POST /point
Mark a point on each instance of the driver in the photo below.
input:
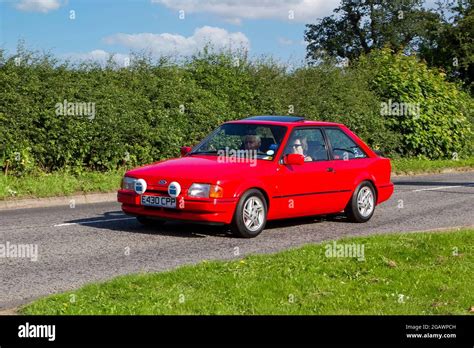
(252, 142)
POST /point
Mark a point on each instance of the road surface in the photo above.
(95, 242)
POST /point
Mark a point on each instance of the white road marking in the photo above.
(436, 188)
(91, 222)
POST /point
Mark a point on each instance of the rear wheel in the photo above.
(250, 215)
(361, 207)
(149, 222)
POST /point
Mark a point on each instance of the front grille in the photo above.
(158, 191)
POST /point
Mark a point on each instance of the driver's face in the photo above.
(251, 142)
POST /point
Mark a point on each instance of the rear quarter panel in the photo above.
(381, 171)
(373, 168)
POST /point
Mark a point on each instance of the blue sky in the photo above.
(100, 27)
(119, 26)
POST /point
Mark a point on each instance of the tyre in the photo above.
(250, 215)
(361, 207)
(149, 222)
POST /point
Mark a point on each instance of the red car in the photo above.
(258, 169)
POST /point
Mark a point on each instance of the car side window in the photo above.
(343, 147)
(309, 143)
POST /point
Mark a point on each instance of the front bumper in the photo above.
(188, 209)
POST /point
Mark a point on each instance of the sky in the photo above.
(92, 29)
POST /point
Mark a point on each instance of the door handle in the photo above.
(330, 169)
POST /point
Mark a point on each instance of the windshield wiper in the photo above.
(203, 152)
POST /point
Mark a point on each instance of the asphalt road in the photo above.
(88, 243)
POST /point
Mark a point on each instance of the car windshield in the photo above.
(241, 139)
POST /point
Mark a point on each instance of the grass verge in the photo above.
(410, 273)
(58, 184)
(418, 166)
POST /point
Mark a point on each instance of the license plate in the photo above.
(159, 201)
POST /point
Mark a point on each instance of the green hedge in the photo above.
(441, 127)
(146, 111)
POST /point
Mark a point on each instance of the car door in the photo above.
(305, 189)
(347, 161)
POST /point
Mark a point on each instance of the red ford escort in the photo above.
(261, 168)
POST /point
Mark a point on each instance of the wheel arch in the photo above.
(255, 187)
(375, 189)
(369, 178)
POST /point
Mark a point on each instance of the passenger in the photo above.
(300, 147)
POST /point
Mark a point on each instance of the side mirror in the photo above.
(293, 159)
(185, 150)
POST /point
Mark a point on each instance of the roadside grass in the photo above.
(64, 184)
(417, 166)
(409, 273)
(58, 184)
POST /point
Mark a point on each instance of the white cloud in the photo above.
(234, 21)
(100, 56)
(305, 11)
(43, 6)
(174, 44)
(285, 41)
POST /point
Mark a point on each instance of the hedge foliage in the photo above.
(146, 111)
(442, 124)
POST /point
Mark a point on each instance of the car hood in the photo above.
(191, 169)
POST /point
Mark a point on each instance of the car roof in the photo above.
(284, 120)
(275, 118)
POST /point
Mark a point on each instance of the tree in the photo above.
(359, 26)
(451, 45)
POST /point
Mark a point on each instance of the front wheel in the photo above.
(250, 215)
(361, 207)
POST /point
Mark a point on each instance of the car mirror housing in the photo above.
(293, 159)
(185, 150)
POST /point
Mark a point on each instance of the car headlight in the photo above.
(199, 190)
(128, 183)
(205, 191)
